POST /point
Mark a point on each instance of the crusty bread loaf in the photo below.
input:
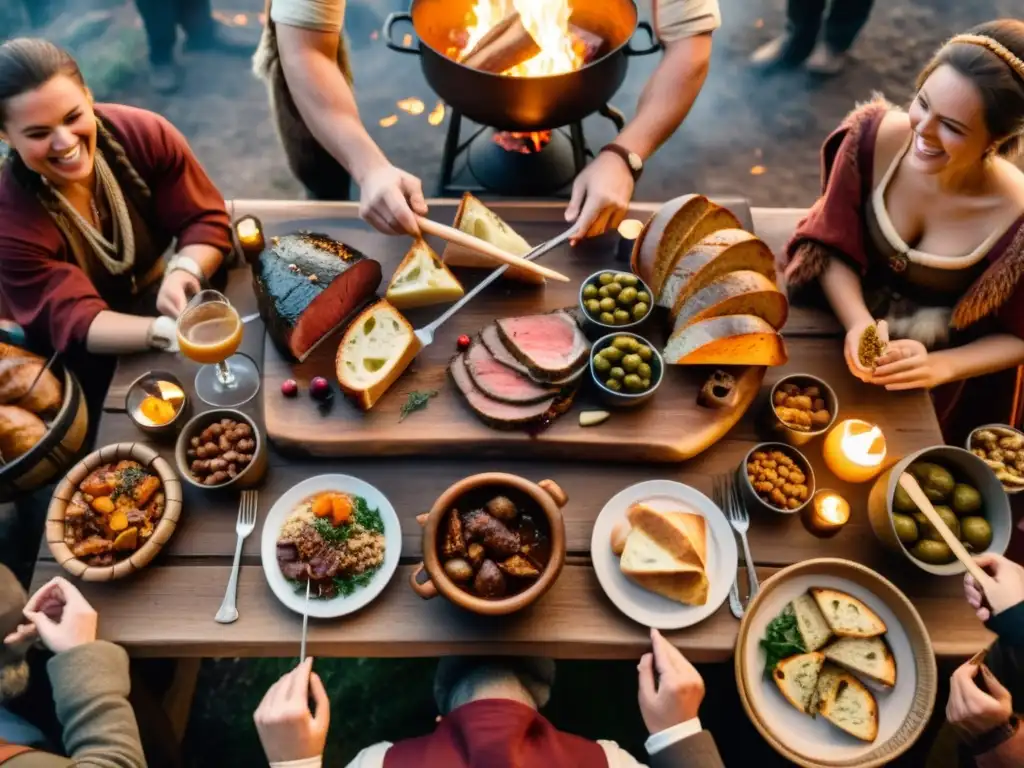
(20, 430)
(715, 219)
(797, 678)
(682, 534)
(848, 704)
(663, 232)
(654, 568)
(376, 348)
(730, 340)
(18, 369)
(814, 630)
(715, 256)
(738, 293)
(846, 615)
(868, 656)
(475, 218)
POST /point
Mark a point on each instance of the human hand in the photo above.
(59, 615)
(1007, 589)
(600, 196)
(390, 199)
(851, 347)
(177, 288)
(907, 364)
(288, 730)
(679, 691)
(972, 711)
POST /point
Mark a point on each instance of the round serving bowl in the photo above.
(752, 497)
(964, 465)
(149, 459)
(249, 476)
(623, 399)
(546, 495)
(788, 434)
(970, 446)
(592, 325)
(165, 386)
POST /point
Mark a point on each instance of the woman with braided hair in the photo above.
(91, 196)
(921, 223)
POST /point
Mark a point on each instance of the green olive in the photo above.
(603, 292)
(631, 363)
(627, 296)
(643, 370)
(643, 296)
(590, 291)
(614, 289)
(607, 318)
(645, 353)
(976, 533)
(625, 343)
(605, 277)
(593, 306)
(640, 310)
(647, 383)
(621, 316)
(612, 353)
(933, 552)
(627, 279)
(617, 373)
(633, 383)
(906, 527)
(608, 304)
(602, 364)
(613, 384)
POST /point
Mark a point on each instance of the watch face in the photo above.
(635, 162)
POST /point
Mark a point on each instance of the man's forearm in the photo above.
(669, 94)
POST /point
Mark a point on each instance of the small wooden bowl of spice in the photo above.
(157, 403)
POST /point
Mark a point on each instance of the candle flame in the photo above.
(832, 510)
(861, 448)
(247, 229)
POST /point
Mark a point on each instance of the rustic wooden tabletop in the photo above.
(168, 608)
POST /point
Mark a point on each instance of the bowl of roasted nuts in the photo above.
(1002, 448)
(777, 477)
(802, 407)
(221, 448)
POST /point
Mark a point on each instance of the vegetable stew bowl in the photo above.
(171, 487)
(250, 475)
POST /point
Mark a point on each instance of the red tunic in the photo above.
(42, 287)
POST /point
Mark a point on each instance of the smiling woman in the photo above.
(921, 222)
(91, 197)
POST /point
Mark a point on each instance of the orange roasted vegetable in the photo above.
(145, 488)
(322, 505)
(99, 483)
(341, 509)
(118, 521)
(103, 505)
(127, 539)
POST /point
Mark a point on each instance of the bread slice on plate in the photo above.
(797, 678)
(846, 615)
(869, 657)
(682, 534)
(847, 703)
(814, 630)
(654, 568)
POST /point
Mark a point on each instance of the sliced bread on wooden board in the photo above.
(814, 630)
(714, 220)
(867, 656)
(663, 231)
(715, 256)
(475, 218)
(848, 704)
(730, 340)
(682, 534)
(376, 348)
(744, 292)
(422, 279)
(797, 678)
(654, 568)
(846, 615)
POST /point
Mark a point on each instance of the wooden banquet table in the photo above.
(167, 609)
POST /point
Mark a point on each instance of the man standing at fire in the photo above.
(304, 61)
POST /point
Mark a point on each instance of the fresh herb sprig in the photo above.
(346, 585)
(327, 531)
(781, 639)
(417, 401)
(129, 478)
(366, 518)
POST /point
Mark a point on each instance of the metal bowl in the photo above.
(166, 386)
(963, 465)
(788, 434)
(1010, 489)
(249, 476)
(752, 497)
(626, 399)
(593, 327)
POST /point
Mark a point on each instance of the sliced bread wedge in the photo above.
(814, 630)
(715, 220)
(475, 218)
(867, 656)
(654, 568)
(797, 678)
(422, 279)
(848, 704)
(682, 534)
(376, 349)
(718, 254)
(729, 340)
(663, 232)
(846, 615)
(743, 292)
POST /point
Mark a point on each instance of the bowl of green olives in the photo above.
(965, 493)
(626, 369)
(614, 301)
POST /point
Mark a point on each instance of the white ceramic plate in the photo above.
(336, 606)
(641, 605)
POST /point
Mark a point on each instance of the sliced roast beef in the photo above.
(492, 340)
(307, 285)
(494, 412)
(551, 346)
(500, 382)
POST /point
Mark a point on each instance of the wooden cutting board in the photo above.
(671, 427)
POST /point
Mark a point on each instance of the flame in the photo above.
(834, 509)
(866, 448)
(436, 116)
(411, 105)
(524, 143)
(387, 122)
(546, 21)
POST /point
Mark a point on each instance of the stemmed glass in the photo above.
(209, 332)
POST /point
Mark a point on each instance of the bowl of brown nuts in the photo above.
(1002, 448)
(221, 448)
(777, 477)
(801, 408)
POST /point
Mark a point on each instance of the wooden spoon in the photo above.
(910, 485)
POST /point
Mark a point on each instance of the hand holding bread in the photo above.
(676, 694)
(1007, 589)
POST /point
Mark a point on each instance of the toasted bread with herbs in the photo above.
(867, 656)
(848, 704)
(846, 615)
(797, 678)
(813, 628)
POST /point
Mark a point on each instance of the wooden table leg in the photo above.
(178, 699)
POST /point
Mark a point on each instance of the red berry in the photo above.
(289, 388)
(319, 388)
(464, 342)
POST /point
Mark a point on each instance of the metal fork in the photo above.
(739, 518)
(718, 494)
(245, 525)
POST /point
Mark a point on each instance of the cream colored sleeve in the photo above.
(319, 15)
(679, 19)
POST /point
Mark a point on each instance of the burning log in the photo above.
(590, 43)
(505, 45)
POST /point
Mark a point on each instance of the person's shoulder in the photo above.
(1011, 183)
(133, 122)
(893, 131)
(316, 15)
(23, 220)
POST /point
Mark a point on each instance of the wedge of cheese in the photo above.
(663, 232)
(376, 348)
(730, 340)
(738, 293)
(422, 279)
(715, 219)
(718, 254)
(475, 218)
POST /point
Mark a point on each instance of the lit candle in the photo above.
(854, 451)
(827, 513)
(629, 231)
(250, 234)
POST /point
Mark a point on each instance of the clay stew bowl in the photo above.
(548, 497)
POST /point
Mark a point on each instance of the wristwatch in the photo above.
(188, 264)
(998, 735)
(163, 334)
(633, 161)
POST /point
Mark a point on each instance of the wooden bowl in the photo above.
(904, 710)
(249, 476)
(148, 458)
(548, 497)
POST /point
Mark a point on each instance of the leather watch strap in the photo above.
(633, 161)
(998, 735)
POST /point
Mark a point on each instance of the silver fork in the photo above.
(739, 518)
(245, 525)
(718, 495)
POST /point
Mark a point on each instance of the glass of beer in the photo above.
(209, 332)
